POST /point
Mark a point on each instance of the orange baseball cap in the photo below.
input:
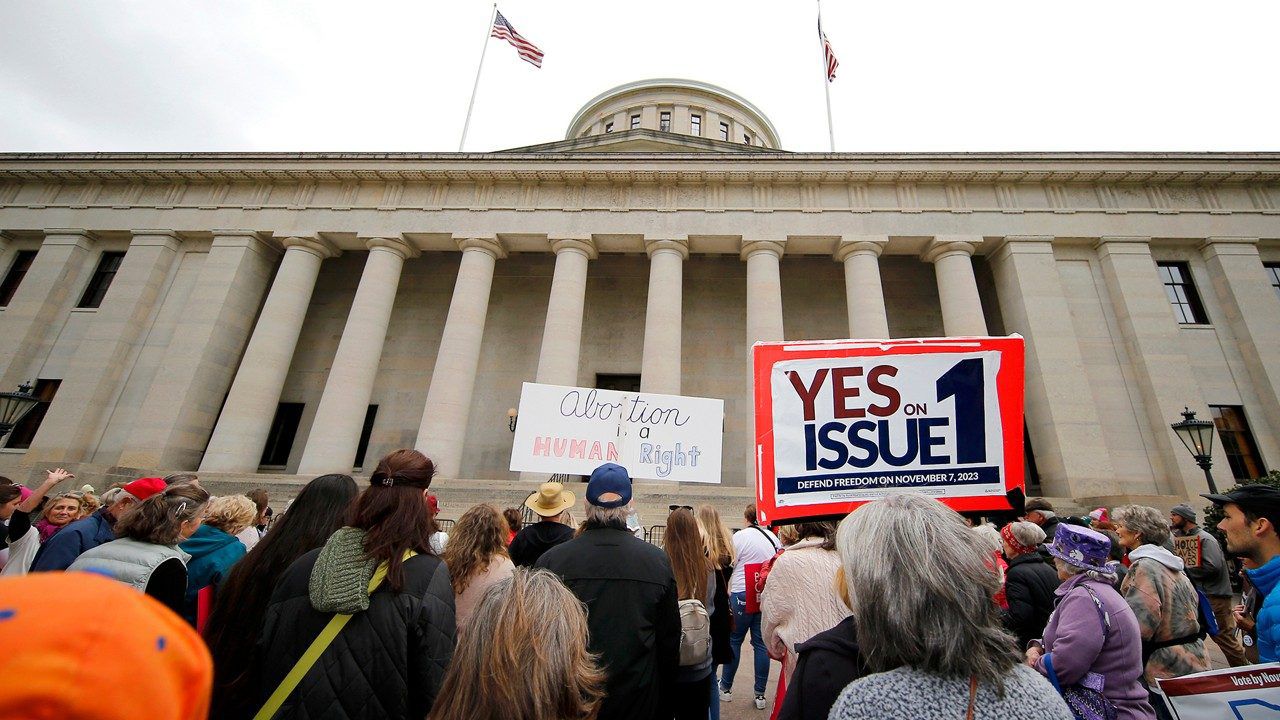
(78, 645)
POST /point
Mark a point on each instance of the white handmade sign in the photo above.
(574, 430)
(1245, 693)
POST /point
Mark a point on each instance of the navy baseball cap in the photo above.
(609, 480)
(1249, 497)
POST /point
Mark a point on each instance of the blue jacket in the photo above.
(212, 552)
(1265, 580)
(71, 541)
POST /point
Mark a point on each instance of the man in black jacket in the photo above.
(550, 503)
(630, 594)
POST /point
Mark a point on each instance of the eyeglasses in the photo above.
(674, 508)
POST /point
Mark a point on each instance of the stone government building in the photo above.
(263, 316)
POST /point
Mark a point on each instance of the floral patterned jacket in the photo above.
(1167, 607)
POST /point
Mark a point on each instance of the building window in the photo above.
(746, 138)
(1182, 293)
(101, 280)
(635, 121)
(1031, 472)
(695, 125)
(369, 416)
(24, 432)
(1273, 274)
(622, 383)
(13, 278)
(284, 429)
(1237, 442)
(608, 127)
(664, 121)
(724, 131)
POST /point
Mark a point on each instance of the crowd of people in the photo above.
(353, 604)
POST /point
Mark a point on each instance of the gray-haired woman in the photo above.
(921, 584)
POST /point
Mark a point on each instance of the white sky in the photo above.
(279, 75)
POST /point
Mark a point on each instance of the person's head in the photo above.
(1117, 550)
(89, 503)
(608, 492)
(1182, 517)
(749, 514)
(824, 530)
(10, 498)
(920, 584)
(140, 661)
(261, 502)
(394, 511)
(514, 521)
(716, 535)
(1250, 522)
(241, 602)
(550, 502)
(688, 555)
(1020, 538)
(1079, 550)
(167, 517)
(1140, 525)
(181, 479)
(478, 537)
(1038, 511)
(788, 535)
(231, 514)
(132, 494)
(523, 656)
(990, 535)
(62, 510)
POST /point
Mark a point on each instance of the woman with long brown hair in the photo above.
(389, 660)
(719, 543)
(477, 558)
(496, 674)
(695, 581)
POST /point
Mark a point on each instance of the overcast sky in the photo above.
(279, 75)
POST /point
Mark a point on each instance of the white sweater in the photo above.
(800, 599)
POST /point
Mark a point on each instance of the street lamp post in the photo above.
(1197, 436)
(14, 406)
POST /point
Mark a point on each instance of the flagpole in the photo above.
(488, 29)
(826, 80)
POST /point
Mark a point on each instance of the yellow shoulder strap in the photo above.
(315, 650)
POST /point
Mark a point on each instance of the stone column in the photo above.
(241, 432)
(47, 293)
(78, 416)
(181, 407)
(764, 290)
(952, 258)
(1062, 419)
(562, 333)
(1253, 314)
(444, 419)
(863, 292)
(664, 313)
(1155, 352)
(335, 432)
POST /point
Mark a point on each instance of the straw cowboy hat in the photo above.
(550, 500)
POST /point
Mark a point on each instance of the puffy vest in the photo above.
(127, 560)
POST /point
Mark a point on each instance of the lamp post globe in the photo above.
(1197, 436)
(14, 406)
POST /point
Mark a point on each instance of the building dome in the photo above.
(683, 107)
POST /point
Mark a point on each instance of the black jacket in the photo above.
(533, 540)
(1029, 584)
(826, 663)
(388, 662)
(722, 619)
(634, 620)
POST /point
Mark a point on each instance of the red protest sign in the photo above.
(842, 422)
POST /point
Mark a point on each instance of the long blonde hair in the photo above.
(523, 657)
(479, 536)
(716, 535)
(689, 562)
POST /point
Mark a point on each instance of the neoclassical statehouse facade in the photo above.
(284, 314)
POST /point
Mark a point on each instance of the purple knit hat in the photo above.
(1081, 547)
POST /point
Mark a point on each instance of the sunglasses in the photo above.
(674, 508)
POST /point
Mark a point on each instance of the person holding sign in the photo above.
(1251, 516)
(1208, 570)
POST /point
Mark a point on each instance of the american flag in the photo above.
(525, 49)
(828, 54)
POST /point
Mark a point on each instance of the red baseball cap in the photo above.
(143, 488)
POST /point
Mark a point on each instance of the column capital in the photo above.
(155, 238)
(1215, 246)
(946, 245)
(851, 245)
(488, 244)
(1122, 245)
(317, 246)
(69, 236)
(403, 248)
(1021, 245)
(252, 239)
(678, 244)
(754, 247)
(582, 244)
